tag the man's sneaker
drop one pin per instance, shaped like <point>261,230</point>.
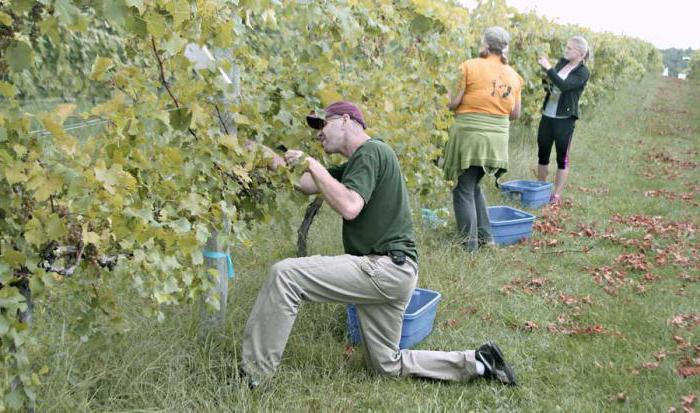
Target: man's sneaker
<point>495,367</point>
<point>251,382</point>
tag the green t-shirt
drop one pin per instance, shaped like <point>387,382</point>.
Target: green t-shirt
<point>385,223</point>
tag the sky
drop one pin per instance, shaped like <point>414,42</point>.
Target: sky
<point>666,24</point>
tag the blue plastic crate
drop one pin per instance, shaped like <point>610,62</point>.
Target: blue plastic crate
<point>533,194</point>
<point>509,225</point>
<point>417,319</point>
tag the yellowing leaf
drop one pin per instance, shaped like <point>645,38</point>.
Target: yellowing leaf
<point>63,141</point>
<point>241,173</point>
<point>66,143</point>
<point>109,107</point>
<point>269,18</point>
<point>179,9</point>
<point>241,119</point>
<point>224,35</point>
<point>90,237</point>
<point>155,24</point>
<point>328,95</point>
<point>113,177</point>
<point>7,89</point>
<point>43,186</point>
<point>173,157</point>
<point>33,232</point>
<point>99,67</point>
<point>195,204</point>
<point>15,174</point>
<point>228,141</point>
<point>5,19</point>
<point>174,44</point>
<point>13,258</point>
<point>64,110</point>
<point>136,3</point>
<point>200,117</point>
<point>181,225</point>
<point>55,227</point>
<point>20,150</point>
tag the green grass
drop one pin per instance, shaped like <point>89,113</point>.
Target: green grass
<point>164,367</point>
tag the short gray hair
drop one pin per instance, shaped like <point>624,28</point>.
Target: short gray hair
<point>496,39</point>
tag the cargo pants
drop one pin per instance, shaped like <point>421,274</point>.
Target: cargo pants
<point>381,291</point>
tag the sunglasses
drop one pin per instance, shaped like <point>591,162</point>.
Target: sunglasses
<point>319,123</point>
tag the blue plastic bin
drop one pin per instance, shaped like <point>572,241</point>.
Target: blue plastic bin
<point>417,319</point>
<point>509,225</point>
<point>533,194</point>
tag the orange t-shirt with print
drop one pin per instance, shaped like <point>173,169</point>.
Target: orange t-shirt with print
<point>489,86</point>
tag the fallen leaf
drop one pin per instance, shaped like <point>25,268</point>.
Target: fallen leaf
<point>680,341</point>
<point>469,310</point>
<point>530,325</point>
<point>687,403</point>
<point>660,355</point>
<point>688,371</point>
<point>686,277</point>
<point>634,261</point>
<point>568,299</point>
<point>537,282</point>
<point>348,351</point>
<point>685,320</point>
<point>649,277</point>
<point>507,289</point>
<point>689,400</point>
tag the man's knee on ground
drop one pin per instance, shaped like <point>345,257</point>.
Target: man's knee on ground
<point>386,363</point>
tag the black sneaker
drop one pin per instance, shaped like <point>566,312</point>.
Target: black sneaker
<point>495,367</point>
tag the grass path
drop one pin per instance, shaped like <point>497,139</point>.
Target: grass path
<point>598,312</point>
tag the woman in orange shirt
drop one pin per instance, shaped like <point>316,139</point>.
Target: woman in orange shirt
<point>486,98</point>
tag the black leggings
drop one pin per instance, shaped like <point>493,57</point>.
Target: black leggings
<point>558,132</point>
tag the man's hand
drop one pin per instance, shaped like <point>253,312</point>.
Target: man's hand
<point>277,161</point>
<point>293,157</point>
<point>299,163</point>
<point>544,62</point>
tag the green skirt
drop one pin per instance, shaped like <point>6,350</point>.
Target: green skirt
<point>477,139</point>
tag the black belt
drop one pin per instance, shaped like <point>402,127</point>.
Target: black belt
<point>398,257</point>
